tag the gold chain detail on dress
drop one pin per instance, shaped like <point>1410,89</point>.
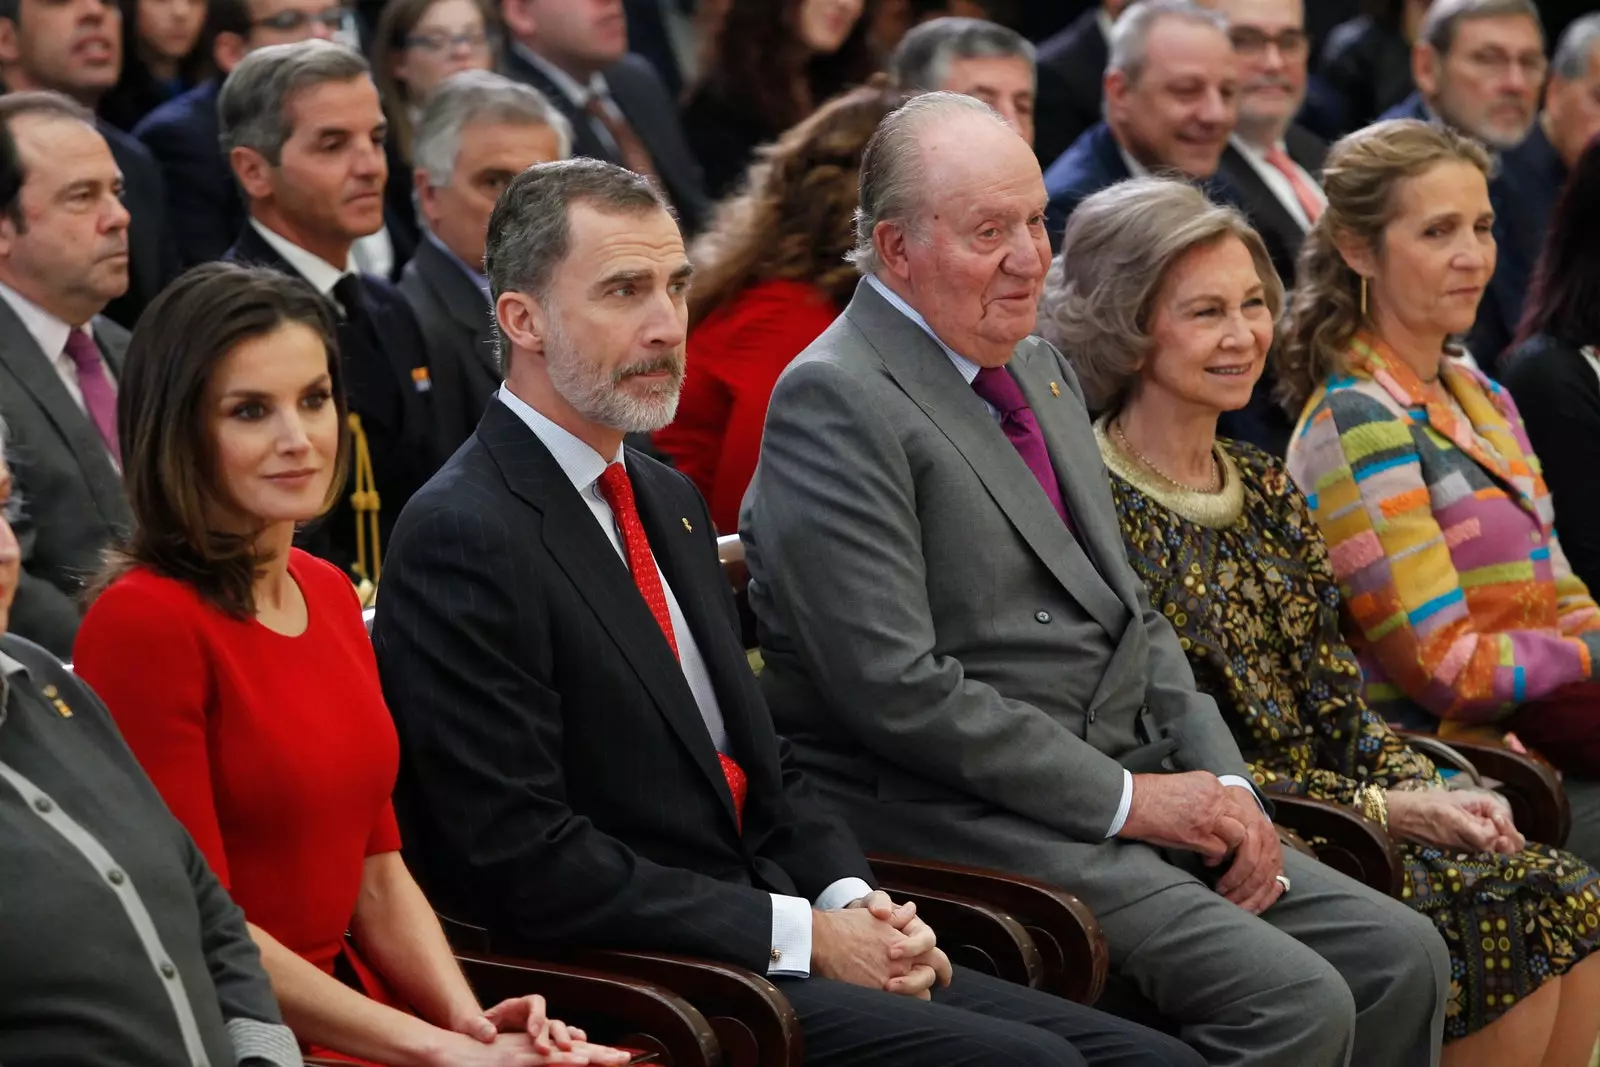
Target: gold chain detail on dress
<point>1216,511</point>
<point>1212,486</point>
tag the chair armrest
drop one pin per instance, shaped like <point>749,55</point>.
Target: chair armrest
<point>1062,927</point>
<point>1538,803</point>
<point>614,1010</point>
<point>1446,754</point>
<point>975,934</point>
<point>754,1023</point>
<point>1346,841</point>
<point>1289,839</point>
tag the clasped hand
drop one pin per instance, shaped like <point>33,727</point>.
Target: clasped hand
<point>878,944</point>
<point>1195,812</point>
<point>1470,819</point>
<point>519,1033</point>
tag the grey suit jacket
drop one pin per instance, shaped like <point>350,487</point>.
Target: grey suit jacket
<point>72,502</point>
<point>957,670</point>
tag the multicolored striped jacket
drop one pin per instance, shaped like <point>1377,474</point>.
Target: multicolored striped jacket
<point>1457,596</point>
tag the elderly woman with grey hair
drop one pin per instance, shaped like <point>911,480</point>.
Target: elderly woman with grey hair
<point>1164,303</point>
<point>119,944</point>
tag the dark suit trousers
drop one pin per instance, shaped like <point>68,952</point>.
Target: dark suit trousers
<point>978,1022</point>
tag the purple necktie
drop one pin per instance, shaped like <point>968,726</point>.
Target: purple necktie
<point>995,385</point>
<point>98,396</point>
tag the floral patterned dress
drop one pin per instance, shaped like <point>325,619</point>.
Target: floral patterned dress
<point>1256,609</point>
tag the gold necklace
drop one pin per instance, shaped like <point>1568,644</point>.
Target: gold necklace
<point>1214,485</point>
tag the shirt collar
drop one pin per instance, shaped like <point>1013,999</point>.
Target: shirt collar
<point>570,87</point>
<point>581,464</point>
<point>969,370</point>
<point>47,331</point>
<point>1258,154</point>
<point>322,275</point>
<point>9,669</point>
<point>476,277</point>
<point>1135,168</point>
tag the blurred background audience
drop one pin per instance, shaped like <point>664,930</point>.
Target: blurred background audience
<point>770,277</point>
<point>768,65</point>
<point>161,58</point>
<point>972,57</point>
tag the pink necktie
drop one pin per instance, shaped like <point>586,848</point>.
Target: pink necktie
<point>1310,203</point>
<point>98,396</point>
<point>1017,422</point>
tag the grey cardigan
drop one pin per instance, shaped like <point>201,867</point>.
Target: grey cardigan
<point>118,946</point>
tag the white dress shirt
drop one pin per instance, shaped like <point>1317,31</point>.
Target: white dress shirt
<point>791,916</point>
<point>578,93</point>
<point>969,371</point>
<point>1277,181</point>
<point>372,254</point>
<point>50,334</point>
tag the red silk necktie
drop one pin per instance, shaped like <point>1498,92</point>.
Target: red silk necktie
<point>1279,160</point>
<point>618,491</point>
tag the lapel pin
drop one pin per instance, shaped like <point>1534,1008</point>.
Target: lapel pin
<point>686,526</point>
<point>1055,390</point>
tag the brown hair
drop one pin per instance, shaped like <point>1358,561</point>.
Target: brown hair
<point>395,23</point>
<point>167,450</point>
<point>794,219</point>
<point>1118,249</point>
<point>1362,178</point>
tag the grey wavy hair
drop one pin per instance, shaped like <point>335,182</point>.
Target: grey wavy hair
<point>1118,248</point>
<point>479,96</point>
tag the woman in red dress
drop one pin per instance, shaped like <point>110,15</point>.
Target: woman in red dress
<point>770,275</point>
<point>239,671</point>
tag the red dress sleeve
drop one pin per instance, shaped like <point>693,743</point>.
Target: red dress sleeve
<point>139,649</point>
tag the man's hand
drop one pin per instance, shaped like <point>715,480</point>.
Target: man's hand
<point>1190,811</point>
<point>927,966</point>
<point>856,946</point>
<point>1252,879</point>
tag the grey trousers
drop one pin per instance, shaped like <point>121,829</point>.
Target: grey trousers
<point>1332,974</point>
<point>1584,796</point>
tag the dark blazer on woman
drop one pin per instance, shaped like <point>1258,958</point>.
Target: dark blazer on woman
<point>723,135</point>
<point>120,947</point>
<point>1365,71</point>
<point>1558,392</point>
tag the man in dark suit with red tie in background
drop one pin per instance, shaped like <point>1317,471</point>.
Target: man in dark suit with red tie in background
<point>586,758</point>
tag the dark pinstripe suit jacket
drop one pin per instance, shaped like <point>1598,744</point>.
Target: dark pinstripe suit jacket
<point>558,785</point>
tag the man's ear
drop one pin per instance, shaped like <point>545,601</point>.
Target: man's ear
<point>252,171</point>
<point>890,240</point>
<point>522,322</point>
<point>10,45</point>
<point>519,19</point>
<point>1426,69</point>
<point>228,50</point>
<point>427,197</point>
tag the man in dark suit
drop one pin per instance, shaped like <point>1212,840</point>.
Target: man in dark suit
<point>575,53</point>
<point>1275,167</point>
<point>1072,67</point>
<point>304,132</point>
<point>1169,88</point>
<point>61,261</point>
<point>1479,66</point>
<point>586,759</point>
<point>75,48</point>
<point>969,667</point>
<point>1529,180</point>
<point>478,131</point>
<point>204,206</point>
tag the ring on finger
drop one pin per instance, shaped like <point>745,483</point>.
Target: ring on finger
<point>1283,880</point>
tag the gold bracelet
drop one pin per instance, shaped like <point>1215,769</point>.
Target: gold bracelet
<point>1371,802</point>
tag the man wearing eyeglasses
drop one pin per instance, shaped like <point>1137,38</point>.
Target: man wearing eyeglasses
<point>203,202</point>
<point>74,47</point>
<point>1479,66</point>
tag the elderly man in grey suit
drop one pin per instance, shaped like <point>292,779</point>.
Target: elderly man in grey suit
<point>478,131</point>
<point>63,257</point>
<point>966,663</point>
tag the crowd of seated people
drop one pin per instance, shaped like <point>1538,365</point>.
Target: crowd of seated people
<point>1136,420</point>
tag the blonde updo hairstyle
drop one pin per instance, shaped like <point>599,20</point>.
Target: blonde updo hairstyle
<point>1362,178</point>
<point>1118,248</point>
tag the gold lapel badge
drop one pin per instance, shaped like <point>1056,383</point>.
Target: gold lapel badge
<point>53,695</point>
<point>1055,390</point>
<point>686,526</point>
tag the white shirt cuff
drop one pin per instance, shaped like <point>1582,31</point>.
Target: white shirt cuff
<point>1124,805</point>
<point>1246,785</point>
<point>791,937</point>
<point>844,891</point>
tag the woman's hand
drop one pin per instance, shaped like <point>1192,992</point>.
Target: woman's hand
<point>1473,820</point>
<point>518,1050</point>
<point>526,1016</point>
